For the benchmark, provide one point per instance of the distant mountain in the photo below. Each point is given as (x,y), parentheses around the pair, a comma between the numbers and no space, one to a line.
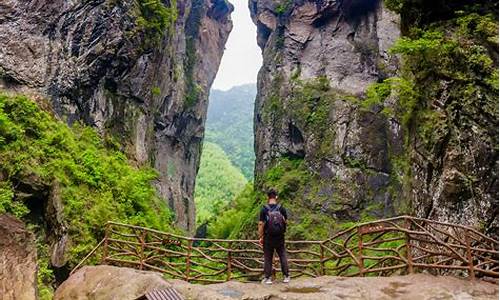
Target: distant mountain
(230,125)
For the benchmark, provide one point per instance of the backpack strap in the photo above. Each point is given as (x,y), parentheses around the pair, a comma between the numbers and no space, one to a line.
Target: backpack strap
(269,209)
(278,208)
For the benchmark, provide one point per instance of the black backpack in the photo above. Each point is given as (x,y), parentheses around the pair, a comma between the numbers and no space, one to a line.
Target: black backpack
(275,221)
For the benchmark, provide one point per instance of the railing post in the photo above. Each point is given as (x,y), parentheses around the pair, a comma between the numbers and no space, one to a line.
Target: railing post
(409,256)
(188,259)
(360,249)
(322,258)
(105,247)
(141,253)
(229,258)
(469,256)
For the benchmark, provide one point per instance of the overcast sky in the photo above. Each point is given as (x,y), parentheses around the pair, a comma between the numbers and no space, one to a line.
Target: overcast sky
(242,59)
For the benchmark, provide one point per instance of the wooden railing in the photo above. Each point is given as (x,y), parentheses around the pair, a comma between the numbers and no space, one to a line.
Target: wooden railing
(399,245)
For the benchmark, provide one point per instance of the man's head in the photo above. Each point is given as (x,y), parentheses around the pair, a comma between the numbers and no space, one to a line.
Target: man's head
(272,195)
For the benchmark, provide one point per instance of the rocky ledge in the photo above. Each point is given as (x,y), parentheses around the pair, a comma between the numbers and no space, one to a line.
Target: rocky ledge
(107,282)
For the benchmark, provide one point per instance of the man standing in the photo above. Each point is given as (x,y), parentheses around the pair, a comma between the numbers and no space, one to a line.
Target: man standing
(272,227)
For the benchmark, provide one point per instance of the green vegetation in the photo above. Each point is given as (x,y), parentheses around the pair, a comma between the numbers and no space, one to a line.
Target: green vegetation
(230,125)
(96,182)
(154,19)
(218,182)
(240,214)
(283,7)
(272,108)
(156,91)
(227,160)
(193,90)
(457,51)
(311,103)
(298,190)
(448,84)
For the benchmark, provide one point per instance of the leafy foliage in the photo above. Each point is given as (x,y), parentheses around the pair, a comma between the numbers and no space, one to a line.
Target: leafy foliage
(154,19)
(296,186)
(218,182)
(458,51)
(96,183)
(311,102)
(239,216)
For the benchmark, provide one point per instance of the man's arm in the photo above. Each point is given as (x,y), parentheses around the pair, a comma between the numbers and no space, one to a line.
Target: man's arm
(285,214)
(261,230)
(262,218)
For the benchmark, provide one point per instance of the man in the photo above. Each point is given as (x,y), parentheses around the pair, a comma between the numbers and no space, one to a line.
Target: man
(272,227)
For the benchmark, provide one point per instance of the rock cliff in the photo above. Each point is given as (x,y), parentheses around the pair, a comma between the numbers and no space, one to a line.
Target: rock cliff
(139,71)
(450,116)
(351,125)
(319,58)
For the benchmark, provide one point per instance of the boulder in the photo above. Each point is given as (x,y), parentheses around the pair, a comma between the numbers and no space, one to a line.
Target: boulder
(18,260)
(108,282)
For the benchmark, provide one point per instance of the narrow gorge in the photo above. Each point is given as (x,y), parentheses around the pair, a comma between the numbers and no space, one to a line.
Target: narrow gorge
(364,109)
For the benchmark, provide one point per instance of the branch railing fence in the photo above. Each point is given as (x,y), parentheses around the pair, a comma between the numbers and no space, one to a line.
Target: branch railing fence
(395,246)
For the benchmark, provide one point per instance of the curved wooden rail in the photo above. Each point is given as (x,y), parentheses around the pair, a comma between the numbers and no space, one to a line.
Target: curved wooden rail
(399,245)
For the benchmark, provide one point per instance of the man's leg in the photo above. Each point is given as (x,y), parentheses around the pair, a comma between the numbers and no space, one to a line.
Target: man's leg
(268,258)
(281,250)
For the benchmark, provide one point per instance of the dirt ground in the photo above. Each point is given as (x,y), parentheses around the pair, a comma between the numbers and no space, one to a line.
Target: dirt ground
(417,287)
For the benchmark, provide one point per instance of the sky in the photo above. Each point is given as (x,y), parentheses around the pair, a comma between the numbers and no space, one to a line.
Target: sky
(242,58)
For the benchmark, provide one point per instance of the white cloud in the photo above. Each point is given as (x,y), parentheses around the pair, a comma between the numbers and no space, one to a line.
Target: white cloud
(242,59)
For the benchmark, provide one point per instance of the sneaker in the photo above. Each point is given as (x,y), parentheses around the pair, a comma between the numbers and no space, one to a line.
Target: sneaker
(267,281)
(286,279)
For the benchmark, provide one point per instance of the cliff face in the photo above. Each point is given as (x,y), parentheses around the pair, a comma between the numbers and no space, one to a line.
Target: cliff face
(348,130)
(319,57)
(137,70)
(451,117)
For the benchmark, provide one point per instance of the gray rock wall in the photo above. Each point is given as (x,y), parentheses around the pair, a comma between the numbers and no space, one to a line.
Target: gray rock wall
(98,65)
(318,57)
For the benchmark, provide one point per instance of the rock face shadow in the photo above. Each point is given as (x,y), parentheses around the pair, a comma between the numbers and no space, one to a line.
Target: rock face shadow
(302,290)
(230,293)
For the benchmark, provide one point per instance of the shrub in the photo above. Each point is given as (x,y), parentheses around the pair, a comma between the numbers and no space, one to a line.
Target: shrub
(97,184)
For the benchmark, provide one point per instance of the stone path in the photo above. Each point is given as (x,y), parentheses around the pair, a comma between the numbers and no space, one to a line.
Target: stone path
(106,282)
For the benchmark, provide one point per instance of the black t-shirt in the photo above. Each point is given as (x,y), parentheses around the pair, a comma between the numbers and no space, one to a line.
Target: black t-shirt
(264,210)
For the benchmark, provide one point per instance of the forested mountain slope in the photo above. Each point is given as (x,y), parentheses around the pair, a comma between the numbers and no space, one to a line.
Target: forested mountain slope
(217,184)
(230,125)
